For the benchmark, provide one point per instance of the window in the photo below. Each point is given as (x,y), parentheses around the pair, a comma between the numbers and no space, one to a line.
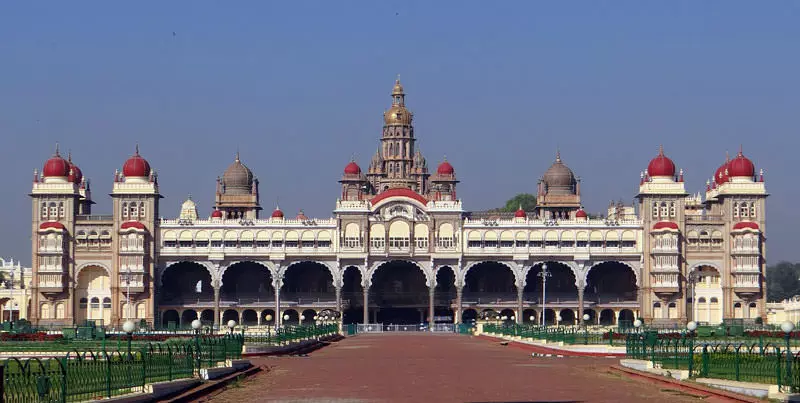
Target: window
(752,210)
(95,303)
(53,210)
(655,209)
(44,211)
(61,209)
(106,303)
(124,210)
(141,210)
(672,209)
(664,212)
(743,210)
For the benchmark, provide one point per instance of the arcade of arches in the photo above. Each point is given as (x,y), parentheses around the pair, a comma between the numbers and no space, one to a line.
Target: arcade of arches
(398,292)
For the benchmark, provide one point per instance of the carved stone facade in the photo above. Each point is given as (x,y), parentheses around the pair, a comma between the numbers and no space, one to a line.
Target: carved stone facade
(399,241)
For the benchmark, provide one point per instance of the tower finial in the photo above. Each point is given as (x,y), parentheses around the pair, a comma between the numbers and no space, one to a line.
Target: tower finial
(741,149)
(558,154)
(137,149)
(57,154)
(189,197)
(237,154)
(353,157)
(661,149)
(398,78)
(69,155)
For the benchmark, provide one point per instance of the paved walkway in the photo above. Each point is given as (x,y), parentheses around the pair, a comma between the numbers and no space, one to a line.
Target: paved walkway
(438,368)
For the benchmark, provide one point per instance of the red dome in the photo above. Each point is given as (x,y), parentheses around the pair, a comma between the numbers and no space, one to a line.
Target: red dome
(722,174)
(581,214)
(132,224)
(136,166)
(352,169)
(277,213)
(301,216)
(56,166)
(216,214)
(445,168)
(75,174)
(665,225)
(398,192)
(520,213)
(741,166)
(745,225)
(51,224)
(661,165)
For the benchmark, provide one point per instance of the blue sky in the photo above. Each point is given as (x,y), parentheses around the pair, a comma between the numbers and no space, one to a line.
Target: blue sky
(299,87)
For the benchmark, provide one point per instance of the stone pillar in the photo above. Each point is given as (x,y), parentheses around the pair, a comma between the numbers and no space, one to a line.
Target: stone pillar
(366,305)
(457,311)
(519,304)
(339,300)
(277,284)
(431,295)
(580,304)
(217,288)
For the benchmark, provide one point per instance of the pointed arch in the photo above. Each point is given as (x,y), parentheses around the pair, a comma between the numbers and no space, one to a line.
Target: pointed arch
(430,280)
(635,270)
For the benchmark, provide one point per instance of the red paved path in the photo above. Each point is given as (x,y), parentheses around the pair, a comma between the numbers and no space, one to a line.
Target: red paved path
(438,368)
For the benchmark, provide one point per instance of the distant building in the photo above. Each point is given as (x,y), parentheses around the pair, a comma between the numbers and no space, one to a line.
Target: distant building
(399,247)
(14,284)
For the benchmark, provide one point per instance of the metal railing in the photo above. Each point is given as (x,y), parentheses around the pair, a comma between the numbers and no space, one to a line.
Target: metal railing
(82,376)
(767,363)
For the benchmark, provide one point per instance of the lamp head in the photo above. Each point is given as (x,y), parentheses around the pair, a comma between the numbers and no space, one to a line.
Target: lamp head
(637,323)
(231,324)
(268,317)
(285,317)
(302,317)
(128,327)
(196,324)
(787,326)
(586,317)
(691,326)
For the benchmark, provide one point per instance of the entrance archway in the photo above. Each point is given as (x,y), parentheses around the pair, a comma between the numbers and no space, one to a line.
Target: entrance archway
(185,283)
(488,282)
(707,284)
(444,294)
(94,285)
(352,296)
(398,294)
(308,282)
(246,283)
(611,282)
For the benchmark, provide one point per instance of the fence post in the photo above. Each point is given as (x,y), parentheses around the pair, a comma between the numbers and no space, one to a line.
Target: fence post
(736,362)
(704,362)
(108,375)
(169,367)
(691,356)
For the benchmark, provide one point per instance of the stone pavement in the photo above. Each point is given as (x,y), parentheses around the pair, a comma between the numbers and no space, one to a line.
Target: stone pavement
(438,368)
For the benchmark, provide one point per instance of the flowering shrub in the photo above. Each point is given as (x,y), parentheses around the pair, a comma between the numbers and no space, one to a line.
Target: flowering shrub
(41,336)
(150,337)
(771,333)
(617,336)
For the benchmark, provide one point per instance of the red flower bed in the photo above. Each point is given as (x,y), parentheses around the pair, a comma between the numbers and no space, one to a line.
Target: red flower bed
(30,337)
(771,333)
(617,336)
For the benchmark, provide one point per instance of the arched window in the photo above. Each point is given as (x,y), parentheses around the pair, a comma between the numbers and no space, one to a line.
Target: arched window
(95,303)
(61,209)
(672,209)
(752,210)
(664,211)
(125,210)
(141,210)
(53,210)
(744,211)
(83,303)
(655,209)
(44,211)
(106,303)
(44,311)
(736,209)
(60,310)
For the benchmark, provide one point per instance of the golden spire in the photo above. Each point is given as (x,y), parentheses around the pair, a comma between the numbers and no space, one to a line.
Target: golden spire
(398,88)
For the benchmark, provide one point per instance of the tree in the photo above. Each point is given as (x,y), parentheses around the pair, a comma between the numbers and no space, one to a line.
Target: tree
(783,281)
(526,200)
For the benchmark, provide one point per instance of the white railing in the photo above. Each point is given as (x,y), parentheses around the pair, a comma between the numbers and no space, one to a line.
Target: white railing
(369,328)
(443,328)
(239,223)
(537,222)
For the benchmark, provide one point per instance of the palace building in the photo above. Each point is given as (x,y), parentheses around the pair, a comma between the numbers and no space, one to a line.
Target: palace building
(399,248)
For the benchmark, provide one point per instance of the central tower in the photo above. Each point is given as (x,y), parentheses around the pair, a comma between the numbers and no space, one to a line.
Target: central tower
(398,163)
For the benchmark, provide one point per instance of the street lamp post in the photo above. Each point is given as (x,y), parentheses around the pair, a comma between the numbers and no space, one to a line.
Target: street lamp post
(787,328)
(691,327)
(544,274)
(128,327)
(11,301)
(693,277)
(585,328)
(196,325)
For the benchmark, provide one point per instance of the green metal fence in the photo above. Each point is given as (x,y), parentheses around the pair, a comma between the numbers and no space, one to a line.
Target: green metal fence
(290,334)
(82,376)
(564,334)
(766,363)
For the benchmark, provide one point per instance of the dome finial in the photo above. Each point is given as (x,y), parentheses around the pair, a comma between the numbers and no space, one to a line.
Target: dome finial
(558,154)
(69,156)
(57,154)
(189,196)
(741,150)
(660,149)
(237,154)
(398,79)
